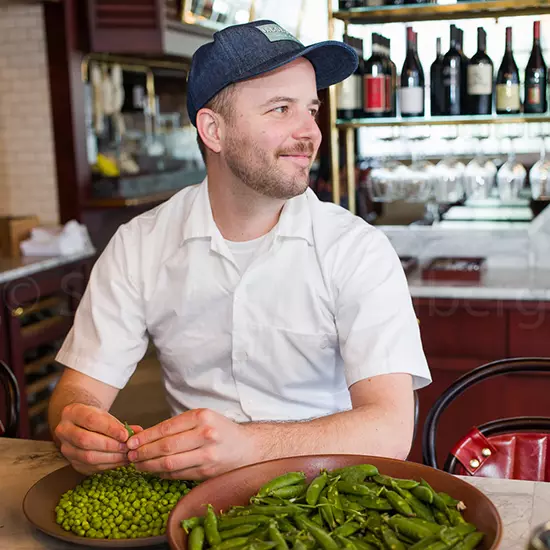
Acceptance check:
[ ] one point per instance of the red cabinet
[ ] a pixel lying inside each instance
(460, 335)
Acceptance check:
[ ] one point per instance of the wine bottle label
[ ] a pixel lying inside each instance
(375, 94)
(349, 93)
(480, 79)
(534, 96)
(508, 97)
(411, 100)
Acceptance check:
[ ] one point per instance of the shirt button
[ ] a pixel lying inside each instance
(324, 343)
(240, 356)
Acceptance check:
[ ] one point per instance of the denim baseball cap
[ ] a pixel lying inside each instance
(240, 52)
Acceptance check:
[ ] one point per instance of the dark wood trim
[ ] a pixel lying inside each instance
(67, 101)
(145, 200)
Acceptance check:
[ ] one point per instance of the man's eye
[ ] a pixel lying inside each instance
(283, 109)
(314, 113)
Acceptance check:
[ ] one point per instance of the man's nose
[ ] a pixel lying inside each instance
(306, 127)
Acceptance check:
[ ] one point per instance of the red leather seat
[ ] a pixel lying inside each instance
(511, 448)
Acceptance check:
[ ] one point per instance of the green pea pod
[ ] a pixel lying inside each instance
(449, 500)
(321, 536)
(350, 507)
(334, 500)
(326, 512)
(290, 491)
(261, 545)
(315, 487)
(345, 543)
(211, 527)
(374, 524)
(292, 478)
(347, 529)
(237, 542)
(400, 505)
(298, 545)
(437, 501)
(473, 540)
(355, 473)
(358, 489)
(375, 503)
(462, 530)
(128, 429)
(388, 481)
(239, 531)
(441, 518)
(276, 536)
(435, 528)
(373, 540)
(424, 494)
(391, 540)
(409, 529)
(316, 518)
(425, 543)
(418, 507)
(455, 517)
(271, 510)
(308, 540)
(230, 522)
(196, 538)
(362, 545)
(190, 523)
(285, 526)
(439, 545)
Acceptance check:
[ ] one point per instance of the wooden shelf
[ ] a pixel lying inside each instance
(443, 120)
(121, 202)
(31, 368)
(430, 12)
(42, 383)
(47, 303)
(45, 331)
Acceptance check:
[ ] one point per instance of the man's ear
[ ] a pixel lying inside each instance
(208, 127)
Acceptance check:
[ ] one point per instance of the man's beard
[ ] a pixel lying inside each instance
(258, 170)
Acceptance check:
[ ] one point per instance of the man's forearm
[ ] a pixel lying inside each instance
(368, 430)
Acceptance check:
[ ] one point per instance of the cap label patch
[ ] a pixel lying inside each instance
(275, 33)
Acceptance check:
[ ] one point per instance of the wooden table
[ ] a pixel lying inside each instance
(522, 504)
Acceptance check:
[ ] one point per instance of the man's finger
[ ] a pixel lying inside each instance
(172, 463)
(174, 444)
(192, 474)
(172, 426)
(87, 440)
(94, 458)
(96, 420)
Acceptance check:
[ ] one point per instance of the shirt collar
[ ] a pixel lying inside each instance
(294, 222)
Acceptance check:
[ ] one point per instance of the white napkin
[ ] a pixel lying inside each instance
(72, 238)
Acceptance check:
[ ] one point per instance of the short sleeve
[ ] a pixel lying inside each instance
(377, 327)
(108, 337)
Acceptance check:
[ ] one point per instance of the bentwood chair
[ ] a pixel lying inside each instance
(510, 448)
(9, 393)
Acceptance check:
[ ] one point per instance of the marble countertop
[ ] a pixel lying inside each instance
(498, 283)
(523, 505)
(15, 268)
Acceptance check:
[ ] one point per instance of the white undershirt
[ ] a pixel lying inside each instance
(244, 252)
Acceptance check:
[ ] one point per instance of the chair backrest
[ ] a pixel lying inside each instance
(500, 448)
(10, 388)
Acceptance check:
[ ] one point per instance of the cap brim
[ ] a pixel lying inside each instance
(333, 62)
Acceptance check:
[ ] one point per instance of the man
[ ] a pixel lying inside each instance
(284, 325)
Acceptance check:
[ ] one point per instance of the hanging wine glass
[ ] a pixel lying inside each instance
(539, 177)
(449, 180)
(511, 177)
(380, 183)
(479, 176)
(419, 186)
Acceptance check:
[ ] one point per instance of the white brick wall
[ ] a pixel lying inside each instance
(27, 161)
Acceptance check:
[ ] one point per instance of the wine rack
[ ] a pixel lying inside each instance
(345, 129)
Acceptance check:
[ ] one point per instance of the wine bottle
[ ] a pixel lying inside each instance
(411, 92)
(452, 77)
(349, 4)
(437, 96)
(508, 101)
(350, 91)
(480, 79)
(375, 81)
(392, 83)
(535, 77)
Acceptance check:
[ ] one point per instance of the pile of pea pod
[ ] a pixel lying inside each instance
(351, 508)
(120, 504)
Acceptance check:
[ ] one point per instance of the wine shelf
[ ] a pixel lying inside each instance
(431, 12)
(443, 120)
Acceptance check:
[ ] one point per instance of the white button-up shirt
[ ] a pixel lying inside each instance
(324, 304)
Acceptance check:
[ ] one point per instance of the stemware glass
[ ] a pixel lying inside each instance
(449, 180)
(539, 176)
(511, 177)
(479, 176)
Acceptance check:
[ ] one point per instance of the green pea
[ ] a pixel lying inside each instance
(290, 491)
(472, 541)
(196, 538)
(400, 505)
(292, 478)
(333, 498)
(409, 529)
(321, 536)
(315, 487)
(238, 531)
(354, 489)
(391, 540)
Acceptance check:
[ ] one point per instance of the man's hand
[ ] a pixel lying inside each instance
(196, 444)
(91, 439)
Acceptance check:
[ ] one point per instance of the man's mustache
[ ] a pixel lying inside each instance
(301, 148)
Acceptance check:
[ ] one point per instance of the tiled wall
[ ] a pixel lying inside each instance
(27, 161)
